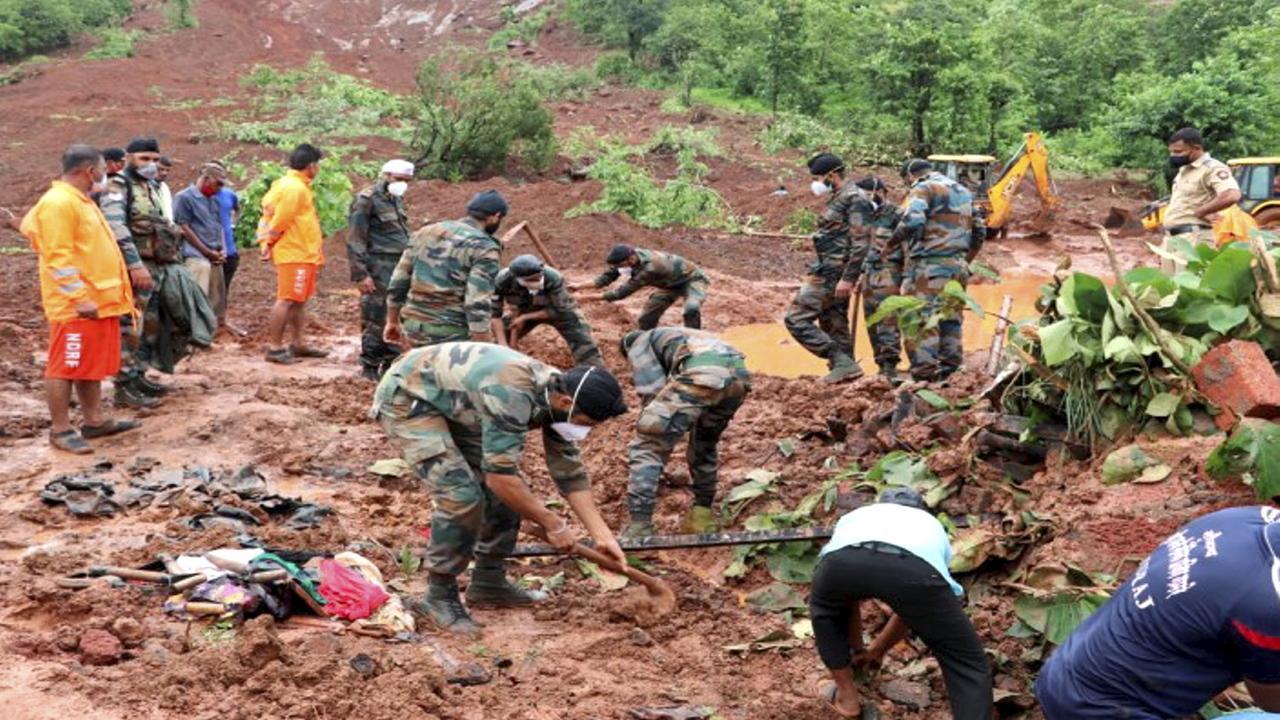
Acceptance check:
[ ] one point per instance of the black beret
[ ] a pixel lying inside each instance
(871, 183)
(488, 202)
(114, 154)
(597, 391)
(138, 145)
(915, 166)
(619, 253)
(526, 266)
(823, 163)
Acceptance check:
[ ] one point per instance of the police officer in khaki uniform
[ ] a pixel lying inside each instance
(1202, 187)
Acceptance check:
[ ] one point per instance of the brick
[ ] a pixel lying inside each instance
(1237, 376)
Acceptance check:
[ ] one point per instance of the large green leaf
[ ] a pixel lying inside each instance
(1229, 276)
(1163, 405)
(789, 567)
(1057, 616)
(1253, 453)
(1222, 318)
(1090, 296)
(894, 305)
(1122, 350)
(1058, 342)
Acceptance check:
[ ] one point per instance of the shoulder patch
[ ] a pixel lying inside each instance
(1222, 174)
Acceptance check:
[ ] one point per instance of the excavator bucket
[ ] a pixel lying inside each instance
(1121, 219)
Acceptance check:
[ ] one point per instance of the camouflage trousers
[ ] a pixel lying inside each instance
(693, 293)
(375, 354)
(937, 351)
(818, 320)
(137, 343)
(576, 334)
(886, 340)
(467, 519)
(420, 334)
(681, 408)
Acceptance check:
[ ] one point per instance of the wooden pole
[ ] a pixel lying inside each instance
(537, 242)
(997, 340)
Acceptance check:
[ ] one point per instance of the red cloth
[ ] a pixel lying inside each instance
(350, 596)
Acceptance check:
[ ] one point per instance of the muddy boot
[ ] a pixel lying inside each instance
(370, 373)
(444, 607)
(699, 520)
(639, 527)
(843, 368)
(890, 373)
(126, 396)
(490, 588)
(143, 386)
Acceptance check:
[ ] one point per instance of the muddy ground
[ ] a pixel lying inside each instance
(304, 427)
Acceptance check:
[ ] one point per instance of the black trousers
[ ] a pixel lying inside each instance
(229, 270)
(924, 601)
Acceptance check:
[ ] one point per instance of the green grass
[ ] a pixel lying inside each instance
(724, 98)
(114, 44)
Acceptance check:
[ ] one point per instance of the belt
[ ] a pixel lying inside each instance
(883, 548)
(1184, 229)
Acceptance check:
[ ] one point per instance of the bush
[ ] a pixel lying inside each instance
(182, 14)
(113, 44)
(331, 188)
(618, 69)
(473, 115)
(524, 29)
(673, 139)
(32, 26)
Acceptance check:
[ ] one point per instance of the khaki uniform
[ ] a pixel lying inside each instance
(1196, 184)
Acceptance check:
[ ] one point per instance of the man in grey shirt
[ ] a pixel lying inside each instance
(196, 212)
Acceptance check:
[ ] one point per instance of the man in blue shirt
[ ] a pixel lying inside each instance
(1199, 615)
(897, 552)
(229, 214)
(196, 212)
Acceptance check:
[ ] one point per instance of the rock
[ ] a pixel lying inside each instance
(641, 638)
(99, 647)
(257, 644)
(1238, 376)
(66, 638)
(154, 652)
(128, 630)
(905, 692)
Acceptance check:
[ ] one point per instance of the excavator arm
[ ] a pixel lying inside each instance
(1033, 156)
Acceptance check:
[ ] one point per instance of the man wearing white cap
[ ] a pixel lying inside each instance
(378, 233)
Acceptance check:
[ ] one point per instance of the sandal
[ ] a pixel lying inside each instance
(281, 357)
(827, 692)
(303, 351)
(110, 427)
(70, 441)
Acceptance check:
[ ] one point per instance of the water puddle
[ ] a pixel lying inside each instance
(770, 350)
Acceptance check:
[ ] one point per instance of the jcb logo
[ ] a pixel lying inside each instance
(74, 346)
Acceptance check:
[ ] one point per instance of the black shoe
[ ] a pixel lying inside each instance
(370, 373)
(444, 607)
(490, 587)
(127, 396)
(149, 388)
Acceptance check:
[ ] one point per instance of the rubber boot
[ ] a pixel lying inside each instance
(699, 520)
(143, 386)
(126, 396)
(369, 372)
(843, 368)
(489, 587)
(640, 526)
(444, 607)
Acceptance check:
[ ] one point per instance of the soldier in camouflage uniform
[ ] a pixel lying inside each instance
(691, 382)
(937, 230)
(537, 295)
(882, 278)
(133, 207)
(459, 412)
(818, 318)
(442, 288)
(674, 276)
(377, 235)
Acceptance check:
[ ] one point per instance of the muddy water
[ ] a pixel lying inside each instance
(770, 350)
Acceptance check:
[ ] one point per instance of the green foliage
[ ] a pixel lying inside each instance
(314, 103)
(617, 68)
(113, 44)
(31, 26)
(1252, 452)
(801, 221)
(182, 14)
(525, 29)
(472, 115)
(331, 188)
(630, 189)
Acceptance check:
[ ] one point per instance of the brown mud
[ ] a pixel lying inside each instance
(304, 426)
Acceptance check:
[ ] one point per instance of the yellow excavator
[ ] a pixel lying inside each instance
(1259, 181)
(995, 193)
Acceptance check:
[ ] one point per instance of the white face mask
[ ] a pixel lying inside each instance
(397, 188)
(98, 186)
(533, 287)
(149, 171)
(570, 431)
(819, 188)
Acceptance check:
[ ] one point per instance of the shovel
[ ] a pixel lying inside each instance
(661, 600)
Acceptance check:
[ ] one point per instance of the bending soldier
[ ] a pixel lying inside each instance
(675, 277)
(537, 295)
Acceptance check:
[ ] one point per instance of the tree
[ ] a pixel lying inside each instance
(785, 52)
(620, 23)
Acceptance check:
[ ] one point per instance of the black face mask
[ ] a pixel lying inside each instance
(1177, 161)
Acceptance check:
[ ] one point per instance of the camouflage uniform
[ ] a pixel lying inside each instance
(556, 301)
(694, 383)
(816, 319)
(445, 282)
(377, 235)
(460, 411)
(132, 207)
(675, 278)
(883, 277)
(937, 227)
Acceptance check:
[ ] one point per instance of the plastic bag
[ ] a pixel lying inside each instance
(350, 596)
(1233, 225)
